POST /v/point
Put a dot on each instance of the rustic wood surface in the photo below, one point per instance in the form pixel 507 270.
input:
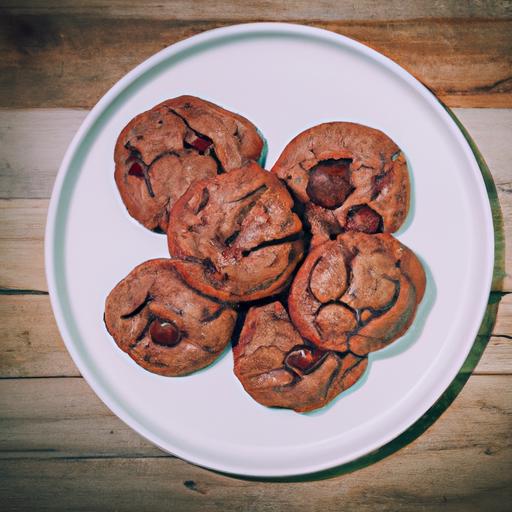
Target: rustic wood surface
pixel 60 447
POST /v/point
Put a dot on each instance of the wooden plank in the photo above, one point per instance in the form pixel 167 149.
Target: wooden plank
pixel 33 143
pixel 270 10
pixel 23 260
pixel 22 265
pixel 68 60
pixel 31 345
pixel 21 235
pixel 30 342
pixel 22 244
pixel 503 326
pixel 462 462
pixel 66 420
pixel 491 129
pixel 450 482
pixel 485 400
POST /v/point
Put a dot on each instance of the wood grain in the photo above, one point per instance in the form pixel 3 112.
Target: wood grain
pixel 60 447
pixel 56 59
pixel 55 423
pixel 33 143
pixel 29 173
pixel 405 484
pixel 270 10
pixel 77 456
pixel 30 342
pixel 22 244
pixel 31 345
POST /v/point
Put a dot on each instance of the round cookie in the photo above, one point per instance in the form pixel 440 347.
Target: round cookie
pixel 241 230
pixel 359 292
pixel 162 151
pixel 348 177
pixel 164 325
pixel 279 369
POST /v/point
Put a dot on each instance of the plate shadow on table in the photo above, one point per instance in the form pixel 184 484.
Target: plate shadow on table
pixel 483 336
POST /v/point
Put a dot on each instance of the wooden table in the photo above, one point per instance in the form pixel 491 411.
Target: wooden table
pixel 60 448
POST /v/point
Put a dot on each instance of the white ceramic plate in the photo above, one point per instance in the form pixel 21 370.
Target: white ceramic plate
pixel 284 78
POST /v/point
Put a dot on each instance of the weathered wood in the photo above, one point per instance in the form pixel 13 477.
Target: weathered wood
pixel 22 244
pixel 71 60
pixel 55 423
pixel 31 345
pixel 29 173
pixel 451 481
pixel 66 420
pixel 503 326
pixel 33 143
pixel 30 342
pixel 22 265
pixel 271 10
pixel 462 462
pixel 22 235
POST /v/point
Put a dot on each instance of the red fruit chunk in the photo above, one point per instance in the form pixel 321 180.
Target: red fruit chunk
pixel 381 182
pixel 164 333
pixel 363 218
pixel 136 169
pixel 329 183
pixel 303 359
pixel 200 143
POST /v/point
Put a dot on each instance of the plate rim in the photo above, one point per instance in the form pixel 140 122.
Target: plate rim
pixel 56 196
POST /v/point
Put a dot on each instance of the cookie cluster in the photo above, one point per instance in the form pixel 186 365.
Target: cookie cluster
pixel 296 266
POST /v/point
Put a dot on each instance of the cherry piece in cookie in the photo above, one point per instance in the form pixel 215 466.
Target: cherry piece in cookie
pixel 136 169
pixel 332 168
pixel 200 143
pixel 164 333
pixel 329 183
pixel 161 152
pixel 358 292
pixel 303 359
pixel 278 369
pixel 163 324
pixel 363 218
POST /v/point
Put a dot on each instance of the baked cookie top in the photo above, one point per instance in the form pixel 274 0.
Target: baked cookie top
pixel 163 324
pixel 235 235
pixel 279 369
pixel 358 292
pixel 162 151
pixel 349 177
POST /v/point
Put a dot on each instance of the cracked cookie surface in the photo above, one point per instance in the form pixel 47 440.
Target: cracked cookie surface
pixel 235 236
pixel 359 292
pixel 279 369
pixel 348 177
pixel 163 324
pixel 161 152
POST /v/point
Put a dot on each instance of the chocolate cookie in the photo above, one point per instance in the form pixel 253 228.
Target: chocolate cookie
pixel 358 292
pixel 278 369
pixel 348 177
pixel 162 151
pixel 241 230
pixel 164 325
